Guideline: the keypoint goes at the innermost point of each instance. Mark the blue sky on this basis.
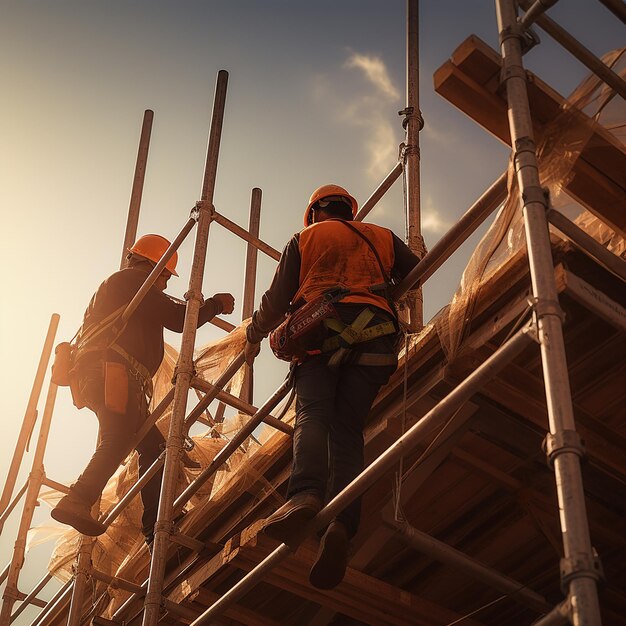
(313, 97)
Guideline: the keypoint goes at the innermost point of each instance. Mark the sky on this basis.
(313, 96)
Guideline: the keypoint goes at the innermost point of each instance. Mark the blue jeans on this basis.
(331, 407)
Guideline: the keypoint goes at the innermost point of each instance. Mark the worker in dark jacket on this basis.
(112, 376)
(351, 264)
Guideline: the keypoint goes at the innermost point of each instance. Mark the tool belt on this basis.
(303, 331)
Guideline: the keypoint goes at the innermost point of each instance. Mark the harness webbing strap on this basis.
(141, 370)
(349, 334)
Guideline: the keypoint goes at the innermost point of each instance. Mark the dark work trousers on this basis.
(116, 434)
(331, 407)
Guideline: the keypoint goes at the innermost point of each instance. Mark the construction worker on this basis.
(112, 375)
(338, 375)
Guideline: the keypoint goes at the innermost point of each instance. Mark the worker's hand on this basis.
(251, 351)
(226, 300)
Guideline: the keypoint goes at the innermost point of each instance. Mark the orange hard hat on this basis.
(153, 247)
(323, 192)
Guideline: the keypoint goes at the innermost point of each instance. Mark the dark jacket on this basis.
(142, 337)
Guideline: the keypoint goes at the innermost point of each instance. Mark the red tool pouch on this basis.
(303, 332)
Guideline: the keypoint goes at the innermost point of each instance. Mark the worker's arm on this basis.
(404, 259)
(171, 311)
(277, 299)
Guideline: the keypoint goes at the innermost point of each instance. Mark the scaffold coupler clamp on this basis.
(409, 113)
(203, 205)
(164, 526)
(194, 214)
(535, 194)
(528, 37)
(561, 442)
(580, 565)
(178, 370)
(188, 443)
(542, 307)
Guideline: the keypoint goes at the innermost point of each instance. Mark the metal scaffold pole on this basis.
(247, 307)
(564, 449)
(411, 154)
(84, 565)
(37, 474)
(30, 415)
(135, 195)
(184, 369)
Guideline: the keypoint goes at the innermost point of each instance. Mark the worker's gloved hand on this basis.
(251, 351)
(226, 300)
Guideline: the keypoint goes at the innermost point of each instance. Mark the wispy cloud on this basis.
(375, 71)
(432, 220)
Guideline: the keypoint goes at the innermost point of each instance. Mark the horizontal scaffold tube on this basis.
(225, 453)
(444, 553)
(457, 235)
(403, 446)
(240, 405)
(31, 597)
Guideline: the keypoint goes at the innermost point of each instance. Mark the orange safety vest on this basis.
(332, 255)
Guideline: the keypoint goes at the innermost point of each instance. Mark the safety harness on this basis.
(85, 345)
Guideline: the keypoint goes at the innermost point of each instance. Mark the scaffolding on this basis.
(580, 568)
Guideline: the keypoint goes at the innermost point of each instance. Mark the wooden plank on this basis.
(359, 596)
(470, 81)
(595, 300)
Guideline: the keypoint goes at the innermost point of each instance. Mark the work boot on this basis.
(75, 512)
(332, 558)
(287, 524)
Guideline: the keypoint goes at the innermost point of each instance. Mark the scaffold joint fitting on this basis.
(580, 565)
(203, 205)
(564, 441)
(194, 214)
(188, 443)
(409, 113)
(535, 194)
(193, 295)
(178, 370)
(164, 526)
(542, 307)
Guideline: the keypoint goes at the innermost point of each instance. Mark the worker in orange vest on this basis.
(112, 370)
(333, 281)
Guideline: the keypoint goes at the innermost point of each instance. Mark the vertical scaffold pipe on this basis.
(135, 195)
(184, 370)
(83, 561)
(564, 449)
(11, 592)
(249, 284)
(413, 124)
(30, 416)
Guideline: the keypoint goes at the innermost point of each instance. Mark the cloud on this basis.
(375, 71)
(432, 220)
(369, 106)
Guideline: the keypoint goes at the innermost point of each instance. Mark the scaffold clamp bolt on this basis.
(542, 307)
(564, 441)
(580, 565)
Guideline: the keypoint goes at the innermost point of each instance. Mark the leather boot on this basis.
(76, 513)
(332, 558)
(288, 523)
